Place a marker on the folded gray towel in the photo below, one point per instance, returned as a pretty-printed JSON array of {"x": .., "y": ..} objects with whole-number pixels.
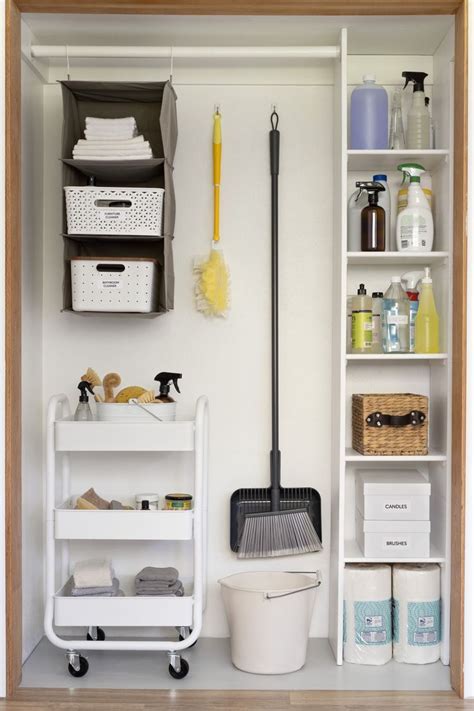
[
  {"x": 159, "y": 587},
  {"x": 104, "y": 591},
  {"x": 118, "y": 506},
  {"x": 160, "y": 575},
  {"x": 175, "y": 590}
]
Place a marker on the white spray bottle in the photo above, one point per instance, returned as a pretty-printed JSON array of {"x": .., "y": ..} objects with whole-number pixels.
[{"x": 415, "y": 230}]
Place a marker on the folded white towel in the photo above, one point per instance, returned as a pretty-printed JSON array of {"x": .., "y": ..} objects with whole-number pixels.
[
  {"x": 110, "y": 123},
  {"x": 113, "y": 148},
  {"x": 138, "y": 140},
  {"x": 93, "y": 573},
  {"x": 140, "y": 156},
  {"x": 118, "y": 135}
]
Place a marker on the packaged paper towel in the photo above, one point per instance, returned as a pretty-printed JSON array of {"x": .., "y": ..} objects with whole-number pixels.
[
  {"x": 367, "y": 614},
  {"x": 416, "y": 613}
]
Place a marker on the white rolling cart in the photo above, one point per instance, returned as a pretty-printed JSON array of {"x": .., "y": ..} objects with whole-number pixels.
[{"x": 64, "y": 523}]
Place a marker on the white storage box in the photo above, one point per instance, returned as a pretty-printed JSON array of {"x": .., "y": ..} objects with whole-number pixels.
[
  {"x": 126, "y": 412},
  {"x": 114, "y": 211},
  {"x": 393, "y": 495},
  {"x": 114, "y": 284},
  {"x": 393, "y": 539}
]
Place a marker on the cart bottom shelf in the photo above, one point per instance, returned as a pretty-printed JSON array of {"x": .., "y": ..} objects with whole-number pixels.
[{"x": 127, "y": 611}]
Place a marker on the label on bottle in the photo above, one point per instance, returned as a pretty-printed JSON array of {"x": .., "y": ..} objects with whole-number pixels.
[
  {"x": 413, "y": 312},
  {"x": 413, "y": 232},
  {"x": 397, "y": 319},
  {"x": 373, "y": 622},
  {"x": 361, "y": 330}
]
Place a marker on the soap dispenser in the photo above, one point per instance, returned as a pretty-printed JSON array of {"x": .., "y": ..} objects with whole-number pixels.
[
  {"x": 165, "y": 379},
  {"x": 83, "y": 411}
]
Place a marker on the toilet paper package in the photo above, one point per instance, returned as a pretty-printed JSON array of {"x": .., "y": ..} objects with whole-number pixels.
[
  {"x": 367, "y": 614},
  {"x": 416, "y": 613}
]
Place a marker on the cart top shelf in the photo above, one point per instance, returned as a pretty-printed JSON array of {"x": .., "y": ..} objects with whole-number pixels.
[{"x": 95, "y": 436}]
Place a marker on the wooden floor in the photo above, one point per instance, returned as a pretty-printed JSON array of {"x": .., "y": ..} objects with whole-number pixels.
[{"x": 133, "y": 700}]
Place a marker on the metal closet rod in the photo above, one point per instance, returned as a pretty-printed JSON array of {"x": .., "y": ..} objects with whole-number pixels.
[{"x": 103, "y": 52}]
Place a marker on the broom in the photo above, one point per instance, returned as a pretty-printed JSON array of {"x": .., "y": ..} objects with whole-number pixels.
[
  {"x": 274, "y": 522},
  {"x": 212, "y": 283}
]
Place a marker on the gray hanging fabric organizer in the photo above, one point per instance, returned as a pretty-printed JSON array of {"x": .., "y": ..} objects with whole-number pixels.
[{"x": 153, "y": 104}]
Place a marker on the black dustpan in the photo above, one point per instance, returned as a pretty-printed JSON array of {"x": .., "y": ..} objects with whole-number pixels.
[{"x": 265, "y": 508}]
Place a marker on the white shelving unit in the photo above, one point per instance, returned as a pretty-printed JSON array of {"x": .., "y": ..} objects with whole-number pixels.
[
  {"x": 428, "y": 374},
  {"x": 64, "y": 524}
]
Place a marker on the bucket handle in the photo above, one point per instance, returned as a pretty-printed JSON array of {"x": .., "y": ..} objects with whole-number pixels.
[
  {"x": 134, "y": 401},
  {"x": 317, "y": 583}
]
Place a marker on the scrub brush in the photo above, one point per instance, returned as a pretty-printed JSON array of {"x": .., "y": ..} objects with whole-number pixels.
[
  {"x": 92, "y": 378},
  {"x": 147, "y": 397},
  {"x": 111, "y": 381},
  {"x": 212, "y": 274}
]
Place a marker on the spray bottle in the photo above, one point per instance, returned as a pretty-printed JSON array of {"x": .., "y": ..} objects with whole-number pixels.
[
  {"x": 372, "y": 219},
  {"x": 410, "y": 281},
  {"x": 427, "y": 320},
  {"x": 415, "y": 222},
  {"x": 361, "y": 321},
  {"x": 165, "y": 379},
  {"x": 83, "y": 411},
  {"x": 418, "y": 120}
]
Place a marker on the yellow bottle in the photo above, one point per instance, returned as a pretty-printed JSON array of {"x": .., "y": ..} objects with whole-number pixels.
[{"x": 427, "y": 320}]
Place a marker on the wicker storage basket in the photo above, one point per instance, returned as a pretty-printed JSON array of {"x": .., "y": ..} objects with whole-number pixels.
[{"x": 390, "y": 424}]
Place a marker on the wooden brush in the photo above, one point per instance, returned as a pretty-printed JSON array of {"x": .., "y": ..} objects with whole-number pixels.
[
  {"x": 147, "y": 397},
  {"x": 111, "y": 381},
  {"x": 92, "y": 378}
]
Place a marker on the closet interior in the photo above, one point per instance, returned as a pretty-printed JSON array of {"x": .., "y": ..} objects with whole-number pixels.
[{"x": 227, "y": 360}]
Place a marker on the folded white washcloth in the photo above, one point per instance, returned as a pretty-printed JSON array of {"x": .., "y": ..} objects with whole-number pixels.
[
  {"x": 113, "y": 148},
  {"x": 116, "y": 142},
  {"x": 110, "y": 123},
  {"x": 109, "y": 135},
  {"x": 128, "y": 156},
  {"x": 96, "y": 572}
]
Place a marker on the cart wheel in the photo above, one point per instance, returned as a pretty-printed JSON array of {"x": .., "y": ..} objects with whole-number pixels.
[
  {"x": 181, "y": 639},
  {"x": 182, "y": 672},
  {"x": 83, "y": 668},
  {"x": 100, "y": 636}
]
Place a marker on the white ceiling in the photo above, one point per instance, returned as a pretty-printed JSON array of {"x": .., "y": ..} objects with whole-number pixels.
[{"x": 367, "y": 35}]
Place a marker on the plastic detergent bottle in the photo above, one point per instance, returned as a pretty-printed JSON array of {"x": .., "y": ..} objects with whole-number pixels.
[
  {"x": 357, "y": 201},
  {"x": 426, "y": 185},
  {"x": 385, "y": 202},
  {"x": 377, "y": 308},
  {"x": 361, "y": 321},
  {"x": 418, "y": 119},
  {"x": 415, "y": 222},
  {"x": 372, "y": 219},
  {"x": 410, "y": 281},
  {"x": 395, "y": 318},
  {"x": 369, "y": 115},
  {"x": 427, "y": 320}
]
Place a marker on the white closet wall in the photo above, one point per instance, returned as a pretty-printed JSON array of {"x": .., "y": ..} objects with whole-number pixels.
[{"x": 32, "y": 355}]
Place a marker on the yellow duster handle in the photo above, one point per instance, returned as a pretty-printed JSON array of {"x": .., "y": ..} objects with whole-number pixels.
[{"x": 216, "y": 155}]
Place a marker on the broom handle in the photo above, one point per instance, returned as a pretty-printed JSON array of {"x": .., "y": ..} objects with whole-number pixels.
[{"x": 275, "y": 453}]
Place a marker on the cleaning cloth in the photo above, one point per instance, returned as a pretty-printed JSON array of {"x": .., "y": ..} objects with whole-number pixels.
[
  {"x": 93, "y": 573},
  {"x": 158, "y": 581},
  {"x": 105, "y": 591},
  {"x": 111, "y": 124},
  {"x": 176, "y": 589},
  {"x": 163, "y": 575},
  {"x": 108, "y": 142}
]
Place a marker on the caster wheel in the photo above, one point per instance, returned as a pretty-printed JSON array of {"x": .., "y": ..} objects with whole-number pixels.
[
  {"x": 183, "y": 671},
  {"x": 83, "y": 668},
  {"x": 100, "y": 636},
  {"x": 181, "y": 639}
]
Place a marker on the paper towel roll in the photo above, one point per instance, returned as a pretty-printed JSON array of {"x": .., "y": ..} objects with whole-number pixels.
[
  {"x": 416, "y": 613},
  {"x": 367, "y": 614}
]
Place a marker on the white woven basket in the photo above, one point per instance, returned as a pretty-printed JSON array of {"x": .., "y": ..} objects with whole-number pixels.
[
  {"x": 97, "y": 211},
  {"x": 114, "y": 284}
]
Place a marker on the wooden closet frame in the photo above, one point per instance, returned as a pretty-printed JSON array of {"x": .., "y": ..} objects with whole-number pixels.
[{"x": 13, "y": 508}]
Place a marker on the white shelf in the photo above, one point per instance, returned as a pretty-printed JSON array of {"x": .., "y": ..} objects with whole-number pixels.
[
  {"x": 353, "y": 456},
  {"x": 78, "y": 524},
  {"x": 395, "y": 258},
  {"x": 95, "y": 436},
  {"x": 377, "y": 161},
  {"x": 128, "y": 611},
  {"x": 388, "y": 357},
  {"x": 353, "y": 554}
]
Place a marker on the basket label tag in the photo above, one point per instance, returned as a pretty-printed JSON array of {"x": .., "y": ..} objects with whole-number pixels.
[
  {"x": 112, "y": 215},
  {"x": 110, "y": 282}
]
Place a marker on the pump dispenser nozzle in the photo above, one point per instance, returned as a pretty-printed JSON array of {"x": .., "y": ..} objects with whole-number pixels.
[
  {"x": 418, "y": 79},
  {"x": 165, "y": 379}
]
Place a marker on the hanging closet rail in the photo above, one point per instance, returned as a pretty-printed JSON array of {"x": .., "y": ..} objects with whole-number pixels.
[{"x": 99, "y": 52}]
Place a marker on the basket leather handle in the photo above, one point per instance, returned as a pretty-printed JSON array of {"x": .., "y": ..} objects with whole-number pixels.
[{"x": 415, "y": 418}]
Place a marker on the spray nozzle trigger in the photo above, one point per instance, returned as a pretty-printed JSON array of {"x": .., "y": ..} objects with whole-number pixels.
[
  {"x": 83, "y": 386},
  {"x": 165, "y": 378},
  {"x": 418, "y": 79}
]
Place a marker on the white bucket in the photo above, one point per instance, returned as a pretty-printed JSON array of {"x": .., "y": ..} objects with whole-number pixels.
[
  {"x": 269, "y": 615},
  {"x": 126, "y": 412}
]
